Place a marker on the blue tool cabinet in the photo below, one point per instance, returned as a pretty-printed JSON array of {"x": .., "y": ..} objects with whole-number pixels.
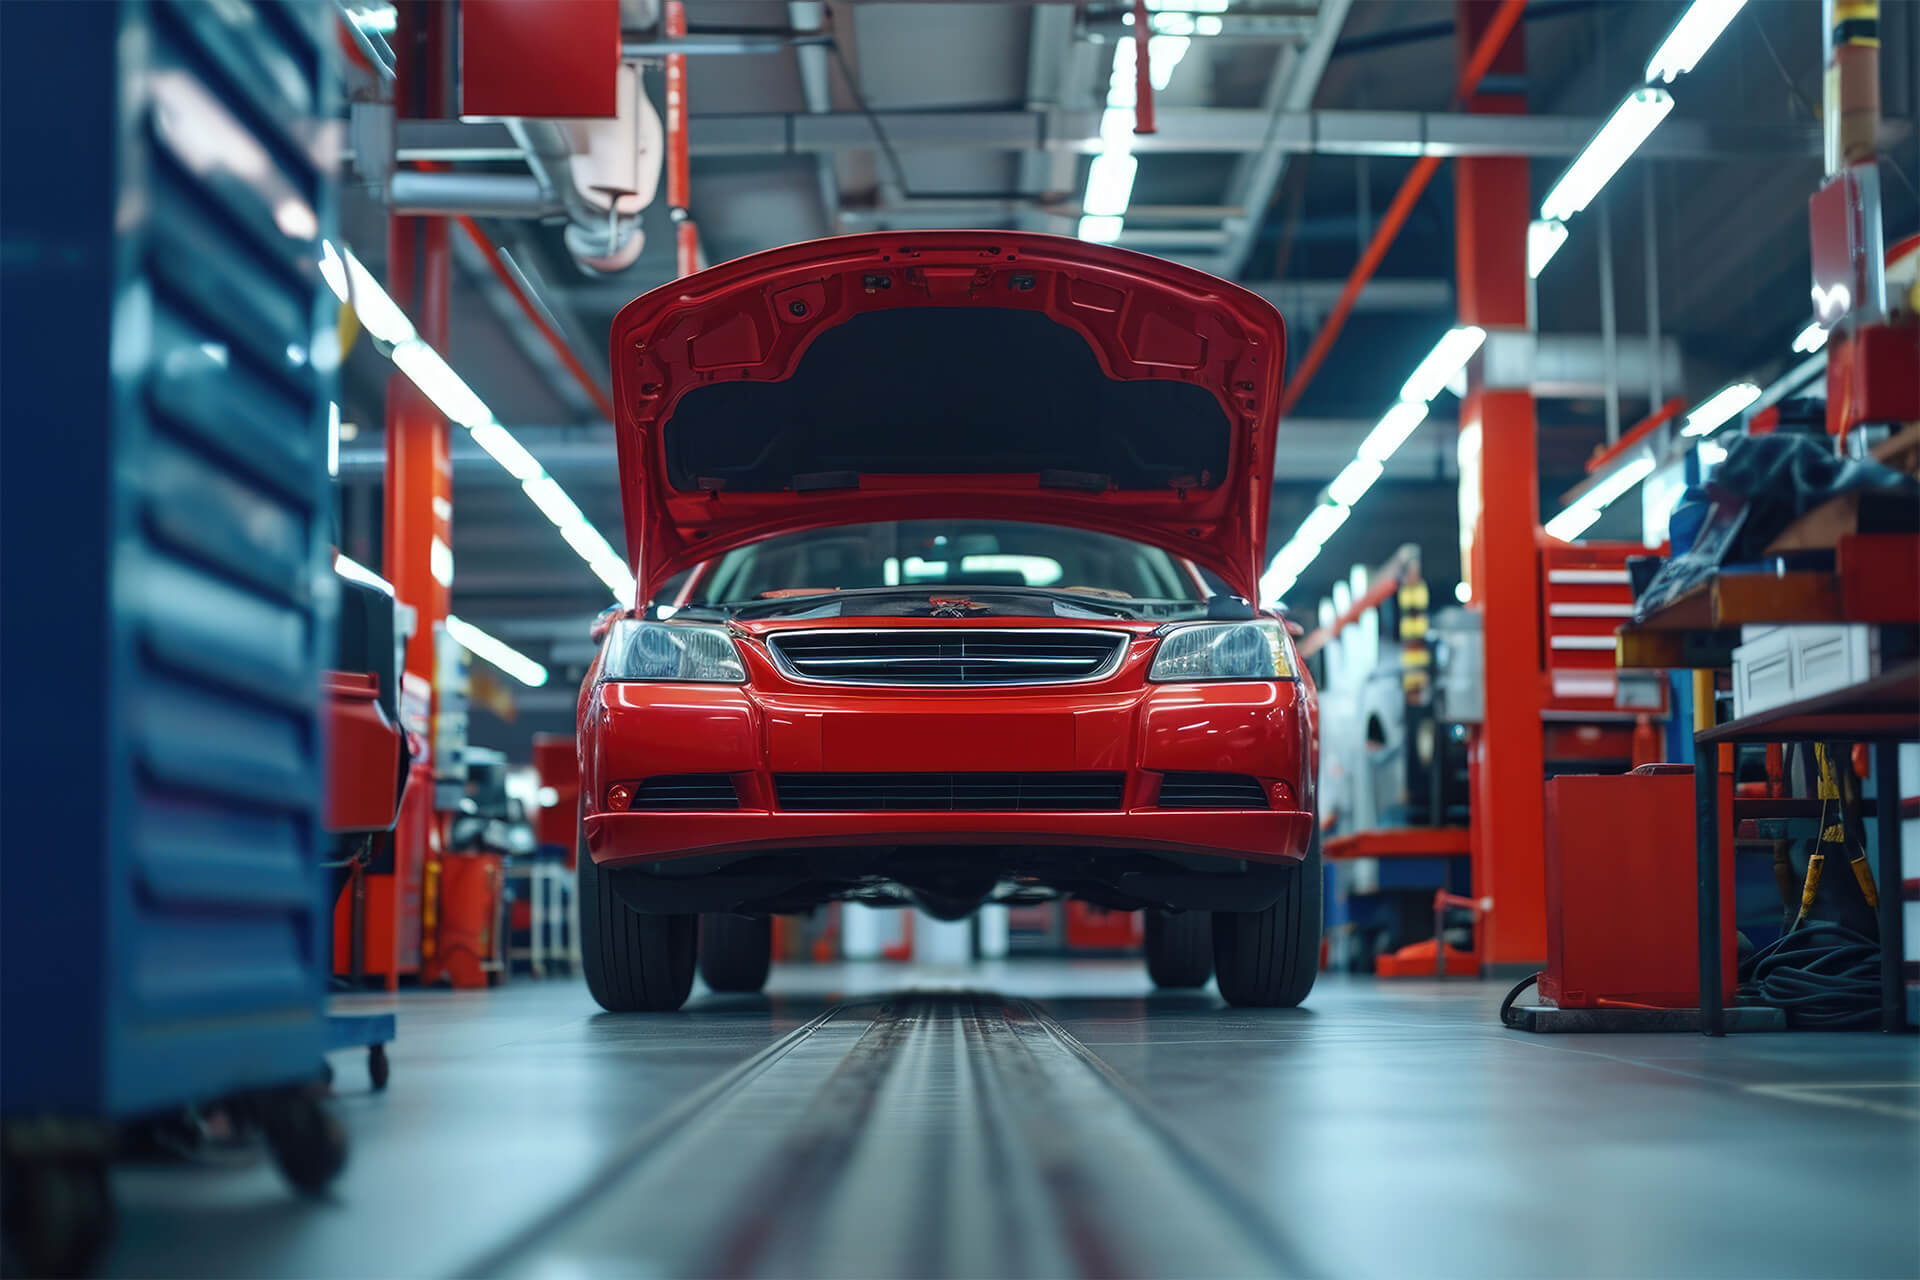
[{"x": 166, "y": 369}]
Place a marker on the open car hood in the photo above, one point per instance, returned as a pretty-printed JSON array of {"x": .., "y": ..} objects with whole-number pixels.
[{"x": 942, "y": 374}]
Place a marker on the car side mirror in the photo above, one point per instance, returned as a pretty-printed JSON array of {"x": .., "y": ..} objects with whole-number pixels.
[{"x": 604, "y": 620}]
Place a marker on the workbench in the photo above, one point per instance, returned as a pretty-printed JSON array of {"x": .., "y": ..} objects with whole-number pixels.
[
  {"x": 1858, "y": 713},
  {"x": 1869, "y": 584}
]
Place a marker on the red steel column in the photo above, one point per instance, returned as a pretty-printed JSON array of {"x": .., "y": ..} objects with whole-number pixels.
[
  {"x": 686, "y": 236},
  {"x": 419, "y": 274},
  {"x": 1493, "y": 206}
]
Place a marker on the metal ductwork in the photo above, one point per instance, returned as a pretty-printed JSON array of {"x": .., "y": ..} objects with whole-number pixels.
[{"x": 599, "y": 175}]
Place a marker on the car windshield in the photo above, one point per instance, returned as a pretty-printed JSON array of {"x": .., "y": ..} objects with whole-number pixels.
[{"x": 979, "y": 555}]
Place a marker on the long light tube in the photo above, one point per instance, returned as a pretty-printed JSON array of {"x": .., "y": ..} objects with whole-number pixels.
[
  {"x": 1110, "y": 177},
  {"x": 1448, "y": 357},
  {"x": 1811, "y": 338},
  {"x": 1431, "y": 376},
  {"x": 1710, "y": 414},
  {"x": 1690, "y": 38},
  {"x": 1544, "y": 238},
  {"x": 1393, "y": 429},
  {"x": 380, "y": 316},
  {"x": 1587, "y": 507},
  {"x": 499, "y": 653},
  {"x": 1637, "y": 116},
  {"x": 348, "y": 567},
  {"x": 1353, "y": 482}
]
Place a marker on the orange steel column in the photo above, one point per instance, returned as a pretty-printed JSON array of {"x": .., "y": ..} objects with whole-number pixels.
[
  {"x": 1499, "y": 456},
  {"x": 419, "y": 496},
  {"x": 686, "y": 235}
]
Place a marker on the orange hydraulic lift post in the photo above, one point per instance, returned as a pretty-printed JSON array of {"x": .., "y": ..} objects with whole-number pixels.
[
  {"x": 1493, "y": 205},
  {"x": 419, "y": 496}
]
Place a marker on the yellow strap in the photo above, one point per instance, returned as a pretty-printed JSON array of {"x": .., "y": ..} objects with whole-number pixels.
[{"x": 1829, "y": 783}]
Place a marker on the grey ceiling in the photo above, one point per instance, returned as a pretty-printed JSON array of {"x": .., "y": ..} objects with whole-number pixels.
[{"x": 1729, "y": 234}]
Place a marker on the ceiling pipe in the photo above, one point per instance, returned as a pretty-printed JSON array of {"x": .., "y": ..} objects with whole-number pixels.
[
  {"x": 593, "y": 233},
  {"x": 1260, "y": 173},
  {"x": 1404, "y": 200},
  {"x": 651, "y": 44},
  {"x": 816, "y": 89},
  {"x": 426, "y": 193},
  {"x": 536, "y": 315}
]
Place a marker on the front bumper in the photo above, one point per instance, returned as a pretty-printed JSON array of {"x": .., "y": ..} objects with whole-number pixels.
[
  {"x": 632, "y": 731},
  {"x": 1261, "y": 836}
]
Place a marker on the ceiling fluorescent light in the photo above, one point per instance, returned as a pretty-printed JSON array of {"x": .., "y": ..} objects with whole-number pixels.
[
  {"x": 1575, "y": 520},
  {"x": 1352, "y": 483},
  {"x": 378, "y": 314},
  {"x": 504, "y": 656},
  {"x": 1110, "y": 184},
  {"x": 1544, "y": 238},
  {"x": 507, "y": 451},
  {"x": 1690, "y": 38},
  {"x": 1718, "y": 408},
  {"x": 1637, "y": 116},
  {"x": 333, "y": 437},
  {"x": 1393, "y": 430},
  {"x": 1617, "y": 482},
  {"x": 439, "y": 383},
  {"x": 348, "y": 567},
  {"x": 430, "y": 372},
  {"x": 1811, "y": 338},
  {"x": 1572, "y": 522},
  {"x": 1322, "y": 524},
  {"x": 1102, "y": 229},
  {"x": 1449, "y": 355},
  {"x": 552, "y": 501}
]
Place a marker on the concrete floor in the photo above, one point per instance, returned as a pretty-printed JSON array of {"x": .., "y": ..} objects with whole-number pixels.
[{"x": 1386, "y": 1129}]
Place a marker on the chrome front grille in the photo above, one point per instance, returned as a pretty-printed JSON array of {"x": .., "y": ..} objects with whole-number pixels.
[
  {"x": 948, "y": 656},
  {"x": 950, "y": 792}
]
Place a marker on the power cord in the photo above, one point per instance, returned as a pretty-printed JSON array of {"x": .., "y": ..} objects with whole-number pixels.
[
  {"x": 1824, "y": 975},
  {"x": 1508, "y": 1017}
]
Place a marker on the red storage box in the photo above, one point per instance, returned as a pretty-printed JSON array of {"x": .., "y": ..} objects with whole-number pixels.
[{"x": 1621, "y": 890}]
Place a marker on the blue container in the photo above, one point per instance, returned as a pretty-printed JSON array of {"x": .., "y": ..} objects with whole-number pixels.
[{"x": 165, "y": 550}]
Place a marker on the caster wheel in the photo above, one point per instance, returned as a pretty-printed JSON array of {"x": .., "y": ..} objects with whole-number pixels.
[
  {"x": 59, "y": 1216},
  {"x": 378, "y": 1067},
  {"x": 307, "y": 1140}
]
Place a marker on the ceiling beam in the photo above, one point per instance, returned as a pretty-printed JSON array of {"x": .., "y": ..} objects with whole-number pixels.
[
  {"x": 1181, "y": 129},
  {"x": 1233, "y": 131},
  {"x": 1257, "y": 175}
]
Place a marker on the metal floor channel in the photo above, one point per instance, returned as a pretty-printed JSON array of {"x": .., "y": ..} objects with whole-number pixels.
[{"x": 1060, "y": 1119}]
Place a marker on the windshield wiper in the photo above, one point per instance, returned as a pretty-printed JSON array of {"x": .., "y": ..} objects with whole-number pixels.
[{"x": 1096, "y": 606}]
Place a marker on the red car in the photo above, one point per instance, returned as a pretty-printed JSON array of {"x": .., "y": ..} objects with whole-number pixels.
[{"x": 951, "y": 538}]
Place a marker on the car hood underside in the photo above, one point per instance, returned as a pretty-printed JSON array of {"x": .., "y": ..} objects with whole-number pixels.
[{"x": 947, "y": 374}]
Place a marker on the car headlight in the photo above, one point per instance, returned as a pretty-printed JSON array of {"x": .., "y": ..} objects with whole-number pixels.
[
  {"x": 1223, "y": 651},
  {"x": 655, "y": 651}
]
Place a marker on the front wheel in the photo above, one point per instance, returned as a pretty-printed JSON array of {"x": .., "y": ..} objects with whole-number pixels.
[
  {"x": 1179, "y": 947},
  {"x": 1268, "y": 959},
  {"x": 736, "y": 952},
  {"x": 634, "y": 963}
]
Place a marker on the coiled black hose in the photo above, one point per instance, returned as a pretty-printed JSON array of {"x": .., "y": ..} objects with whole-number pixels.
[{"x": 1824, "y": 975}]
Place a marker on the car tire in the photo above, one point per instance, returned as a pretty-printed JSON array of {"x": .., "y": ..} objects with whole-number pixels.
[
  {"x": 1268, "y": 959},
  {"x": 1179, "y": 947},
  {"x": 634, "y": 963},
  {"x": 735, "y": 951}
]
